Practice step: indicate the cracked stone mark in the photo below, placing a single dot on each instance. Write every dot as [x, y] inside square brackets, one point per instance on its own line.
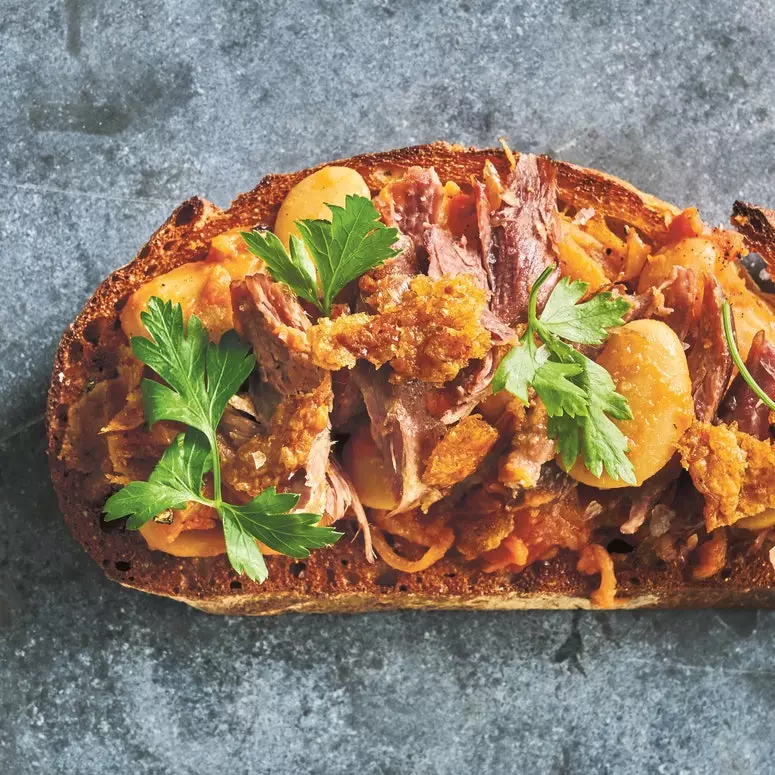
[19, 429]
[73, 26]
[715, 670]
[572, 648]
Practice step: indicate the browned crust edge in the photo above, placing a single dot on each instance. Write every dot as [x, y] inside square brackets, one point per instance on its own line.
[339, 579]
[757, 225]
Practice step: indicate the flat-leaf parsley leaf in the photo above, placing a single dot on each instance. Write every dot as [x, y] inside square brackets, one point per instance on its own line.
[201, 377]
[341, 250]
[579, 395]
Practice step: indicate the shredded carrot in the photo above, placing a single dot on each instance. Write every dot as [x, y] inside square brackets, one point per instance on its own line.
[509, 153]
[685, 225]
[512, 551]
[595, 559]
[434, 553]
[711, 555]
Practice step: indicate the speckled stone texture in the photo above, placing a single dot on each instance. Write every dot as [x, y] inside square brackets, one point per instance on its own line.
[110, 114]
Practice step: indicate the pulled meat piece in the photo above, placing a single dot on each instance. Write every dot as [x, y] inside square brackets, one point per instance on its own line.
[595, 559]
[524, 234]
[460, 452]
[342, 497]
[459, 397]
[412, 203]
[484, 224]
[691, 305]
[238, 423]
[430, 334]
[710, 362]
[448, 256]
[649, 304]
[734, 472]
[291, 450]
[531, 447]
[649, 494]
[348, 402]
[271, 319]
[682, 295]
[741, 404]
[402, 428]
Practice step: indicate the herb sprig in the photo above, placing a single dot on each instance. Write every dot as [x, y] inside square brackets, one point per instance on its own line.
[329, 254]
[579, 395]
[200, 378]
[726, 316]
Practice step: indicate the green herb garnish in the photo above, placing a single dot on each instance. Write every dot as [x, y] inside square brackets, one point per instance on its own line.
[201, 377]
[580, 397]
[726, 315]
[329, 254]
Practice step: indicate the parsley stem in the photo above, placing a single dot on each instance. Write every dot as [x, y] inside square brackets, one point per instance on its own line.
[217, 495]
[533, 302]
[738, 359]
[533, 323]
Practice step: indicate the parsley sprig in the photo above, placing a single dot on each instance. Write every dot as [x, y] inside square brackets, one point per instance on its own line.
[579, 395]
[329, 254]
[201, 377]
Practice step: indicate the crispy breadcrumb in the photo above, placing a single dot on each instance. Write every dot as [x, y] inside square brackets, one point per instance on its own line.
[460, 452]
[543, 530]
[266, 460]
[430, 334]
[735, 472]
[711, 555]
[483, 522]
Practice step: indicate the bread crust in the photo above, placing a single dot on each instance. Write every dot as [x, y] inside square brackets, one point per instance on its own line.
[338, 579]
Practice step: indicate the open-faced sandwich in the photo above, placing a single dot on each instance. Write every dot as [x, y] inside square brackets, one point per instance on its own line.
[435, 377]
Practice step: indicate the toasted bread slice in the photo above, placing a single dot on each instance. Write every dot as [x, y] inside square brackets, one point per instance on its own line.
[339, 578]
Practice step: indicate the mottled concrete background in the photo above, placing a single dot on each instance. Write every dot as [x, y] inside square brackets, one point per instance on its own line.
[111, 113]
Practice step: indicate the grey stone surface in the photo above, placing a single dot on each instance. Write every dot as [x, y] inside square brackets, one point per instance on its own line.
[110, 113]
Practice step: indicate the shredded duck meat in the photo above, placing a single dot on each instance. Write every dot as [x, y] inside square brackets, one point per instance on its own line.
[531, 447]
[741, 404]
[412, 203]
[524, 233]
